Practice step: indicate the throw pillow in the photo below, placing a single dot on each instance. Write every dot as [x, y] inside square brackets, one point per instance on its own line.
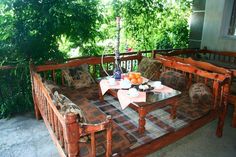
[78, 77]
[150, 68]
[174, 79]
[199, 93]
[67, 106]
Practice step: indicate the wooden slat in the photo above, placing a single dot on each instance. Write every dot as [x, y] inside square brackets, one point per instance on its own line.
[93, 145]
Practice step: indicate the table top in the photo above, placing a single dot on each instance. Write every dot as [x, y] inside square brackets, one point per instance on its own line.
[154, 97]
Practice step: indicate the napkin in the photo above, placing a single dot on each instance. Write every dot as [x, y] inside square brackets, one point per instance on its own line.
[125, 99]
[104, 85]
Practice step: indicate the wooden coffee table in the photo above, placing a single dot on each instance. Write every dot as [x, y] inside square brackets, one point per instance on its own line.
[154, 100]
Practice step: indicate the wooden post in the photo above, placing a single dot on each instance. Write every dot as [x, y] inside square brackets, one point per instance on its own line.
[223, 111]
[142, 113]
[153, 54]
[72, 135]
[35, 100]
[109, 137]
[139, 57]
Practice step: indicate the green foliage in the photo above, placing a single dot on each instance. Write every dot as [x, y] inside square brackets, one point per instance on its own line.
[44, 30]
[15, 92]
[155, 24]
[33, 29]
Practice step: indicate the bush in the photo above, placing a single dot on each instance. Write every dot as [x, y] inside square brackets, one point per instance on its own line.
[15, 92]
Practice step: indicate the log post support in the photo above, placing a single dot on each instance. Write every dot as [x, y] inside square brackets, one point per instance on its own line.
[223, 111]
[142, 122]
[139, 57]
[72, 135]
[109, 137]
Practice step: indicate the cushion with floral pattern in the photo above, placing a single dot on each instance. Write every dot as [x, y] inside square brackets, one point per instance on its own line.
[67, 106]
[78, 77]
[200, 93]
[191, 110]
[150, 68]
[174, 79]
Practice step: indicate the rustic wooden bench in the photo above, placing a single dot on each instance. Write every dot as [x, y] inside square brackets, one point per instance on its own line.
[66, 131]
[226, 60]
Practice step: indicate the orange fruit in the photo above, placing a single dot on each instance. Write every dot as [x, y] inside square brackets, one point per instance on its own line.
[140, 80]
[137, 75]
[134, 81]
[131, 76]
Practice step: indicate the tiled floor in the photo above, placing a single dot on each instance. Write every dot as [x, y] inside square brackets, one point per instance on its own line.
[23, 136]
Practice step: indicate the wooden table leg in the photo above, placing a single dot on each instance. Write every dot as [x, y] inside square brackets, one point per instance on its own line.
[142, 121]
[173, 112]
[100, 94]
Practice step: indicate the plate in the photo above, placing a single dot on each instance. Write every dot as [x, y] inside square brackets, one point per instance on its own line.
[145, 90]
[125, 87]
[154, 83]
[159, 87]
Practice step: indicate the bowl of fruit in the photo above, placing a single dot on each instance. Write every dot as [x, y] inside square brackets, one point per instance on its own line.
[135, 78]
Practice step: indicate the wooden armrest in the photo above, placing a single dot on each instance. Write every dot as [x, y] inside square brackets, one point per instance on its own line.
[93, 128]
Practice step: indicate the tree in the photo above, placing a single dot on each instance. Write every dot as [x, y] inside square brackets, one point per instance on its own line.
[152, 24]
[31, 29]
[36, 25]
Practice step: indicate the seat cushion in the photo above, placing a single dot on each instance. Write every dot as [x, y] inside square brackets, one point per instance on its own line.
[51, 86]
[67, 106]
[149, 68]
[200, 93]
[191, 110]
[174, 79]
[78, 77]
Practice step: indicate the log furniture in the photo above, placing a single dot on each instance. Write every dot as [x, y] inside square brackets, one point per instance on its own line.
[65, 131]
[226, 60]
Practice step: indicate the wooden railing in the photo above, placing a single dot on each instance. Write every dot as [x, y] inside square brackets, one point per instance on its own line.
[53, 72]
[214, 57]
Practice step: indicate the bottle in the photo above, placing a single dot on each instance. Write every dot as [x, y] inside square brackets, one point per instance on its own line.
[117, 71]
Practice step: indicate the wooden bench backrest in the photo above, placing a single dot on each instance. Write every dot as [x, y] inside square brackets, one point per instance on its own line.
[218, 56]
[199, 64]
[54, 73]
[220, 82]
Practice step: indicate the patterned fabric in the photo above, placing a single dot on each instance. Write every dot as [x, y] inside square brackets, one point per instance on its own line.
[78, 77]
[125, 122]
[121, 140]
[200, 94]
[51, 86]
[174, 80]
[67, 106]
[150, 68]
[192, 110]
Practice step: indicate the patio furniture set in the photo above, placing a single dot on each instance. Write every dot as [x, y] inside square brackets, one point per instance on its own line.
[83, 121]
